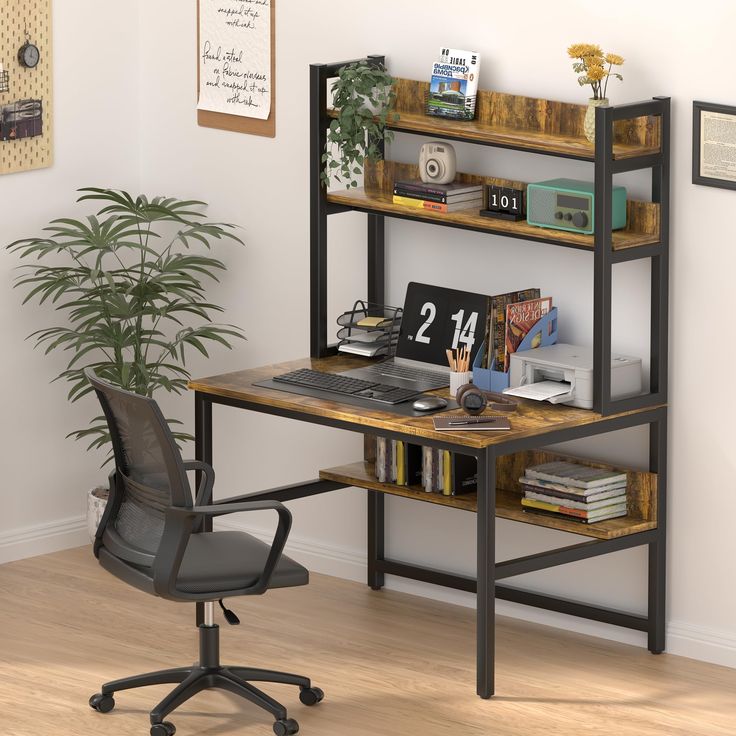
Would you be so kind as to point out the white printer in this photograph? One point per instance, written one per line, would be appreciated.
(563, 374)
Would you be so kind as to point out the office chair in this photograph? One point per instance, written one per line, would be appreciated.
(150, 538)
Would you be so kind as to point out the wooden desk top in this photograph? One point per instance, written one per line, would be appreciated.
(532, 419)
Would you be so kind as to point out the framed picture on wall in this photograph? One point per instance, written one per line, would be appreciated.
(714, 145)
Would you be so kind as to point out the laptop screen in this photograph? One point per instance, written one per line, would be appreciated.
(437, 319)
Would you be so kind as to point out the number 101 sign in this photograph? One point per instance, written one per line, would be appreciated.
(505, 203)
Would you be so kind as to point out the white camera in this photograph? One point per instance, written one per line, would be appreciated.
(437, 163)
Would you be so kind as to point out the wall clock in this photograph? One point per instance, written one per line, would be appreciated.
(28, 54)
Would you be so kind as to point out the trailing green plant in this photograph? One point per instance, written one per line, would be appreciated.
(363, 95)
(130, 285)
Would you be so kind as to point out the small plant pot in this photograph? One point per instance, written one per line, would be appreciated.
(96, 503)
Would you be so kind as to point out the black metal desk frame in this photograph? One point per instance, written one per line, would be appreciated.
(484, 585)
(648, 408)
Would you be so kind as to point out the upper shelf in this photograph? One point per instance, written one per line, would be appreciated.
(522, 123)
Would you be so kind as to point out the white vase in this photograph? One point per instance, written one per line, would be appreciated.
(96, 502)
(589, 123)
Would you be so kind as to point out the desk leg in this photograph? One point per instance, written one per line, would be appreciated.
(658, 549)
(376, 508)
(202, 451)
(486, 595)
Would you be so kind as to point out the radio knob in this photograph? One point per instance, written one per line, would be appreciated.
(580, 219)
(568, 216)
(558, 215)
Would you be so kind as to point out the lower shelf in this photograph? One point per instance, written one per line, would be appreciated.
(508, 506)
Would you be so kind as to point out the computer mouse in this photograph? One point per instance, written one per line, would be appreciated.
(427, 403)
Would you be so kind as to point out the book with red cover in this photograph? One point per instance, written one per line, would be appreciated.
(520, 318)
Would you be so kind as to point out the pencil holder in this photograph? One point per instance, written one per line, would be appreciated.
(459, 378)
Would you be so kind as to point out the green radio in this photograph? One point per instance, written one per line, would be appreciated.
(569, 204)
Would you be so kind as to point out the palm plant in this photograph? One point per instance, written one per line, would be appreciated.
(130, 285)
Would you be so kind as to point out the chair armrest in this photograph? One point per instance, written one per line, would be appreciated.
(207, 481)
(181, 521)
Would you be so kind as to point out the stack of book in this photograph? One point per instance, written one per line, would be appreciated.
(438, 197)
(575, 492)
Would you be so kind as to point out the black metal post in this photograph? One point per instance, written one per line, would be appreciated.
(318, 211)
(376, 530)
(602, 260)
(486, 593)
(202, 451)
(660, 264)
(657, 598)
(376, 259)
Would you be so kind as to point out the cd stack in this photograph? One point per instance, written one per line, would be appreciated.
(574, 492)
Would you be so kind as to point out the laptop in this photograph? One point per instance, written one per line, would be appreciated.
(434, 320)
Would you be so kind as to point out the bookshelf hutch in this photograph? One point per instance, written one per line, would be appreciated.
(628, 137)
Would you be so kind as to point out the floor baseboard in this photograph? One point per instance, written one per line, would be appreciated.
(683, 639)
(40, 539)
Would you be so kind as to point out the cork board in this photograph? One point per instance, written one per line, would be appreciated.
(238, 123)
(27, 84)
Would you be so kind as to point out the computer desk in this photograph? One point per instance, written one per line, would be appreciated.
(535, 425)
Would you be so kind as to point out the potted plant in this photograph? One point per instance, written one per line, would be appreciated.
(362, 98)
(591, 69)
(129, 282)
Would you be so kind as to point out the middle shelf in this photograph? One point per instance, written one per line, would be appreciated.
(376, 196)
(641, 495)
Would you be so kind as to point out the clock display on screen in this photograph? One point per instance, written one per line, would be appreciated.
(437, 319)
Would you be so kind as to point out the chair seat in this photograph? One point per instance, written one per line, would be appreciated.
(231, 560)
(213, 561)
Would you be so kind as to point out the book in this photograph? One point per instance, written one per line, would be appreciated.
(453, 85)
(543, 512)
(586, 505)
(451, 189)
(463, 423)
(495, 336)
(573, 474)
(437, 206)
(572, 494)
(569, 511)
(439, 198)
(520, 318)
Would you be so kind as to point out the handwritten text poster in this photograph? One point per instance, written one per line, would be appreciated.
(235, 57)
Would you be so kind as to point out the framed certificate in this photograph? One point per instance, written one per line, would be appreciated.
(714, 145)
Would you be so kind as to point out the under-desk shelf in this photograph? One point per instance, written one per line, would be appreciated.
(641, 496)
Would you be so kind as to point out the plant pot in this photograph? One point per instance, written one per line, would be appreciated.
(96, 502)
(589, 123)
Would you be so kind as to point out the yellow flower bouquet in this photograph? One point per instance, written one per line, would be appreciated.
(591, 67)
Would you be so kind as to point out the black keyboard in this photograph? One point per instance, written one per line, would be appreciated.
(335, 383)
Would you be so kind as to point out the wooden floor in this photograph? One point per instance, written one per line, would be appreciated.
(389, 664)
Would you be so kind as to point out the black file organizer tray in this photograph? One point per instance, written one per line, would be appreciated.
(350, 333)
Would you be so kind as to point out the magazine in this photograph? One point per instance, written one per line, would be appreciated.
(520, 318)
(453, 86)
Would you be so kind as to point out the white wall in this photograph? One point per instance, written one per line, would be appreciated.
(262, 184)
(96, 118)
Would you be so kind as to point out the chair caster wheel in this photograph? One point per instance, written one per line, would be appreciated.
(163, 729)
(102, 703)
(286, 727)
(311, 695)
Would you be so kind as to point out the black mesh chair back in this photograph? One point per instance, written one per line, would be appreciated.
(149, 472)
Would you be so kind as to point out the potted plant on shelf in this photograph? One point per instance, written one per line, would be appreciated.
(362, 98)
(591, 69)
(130, 284)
